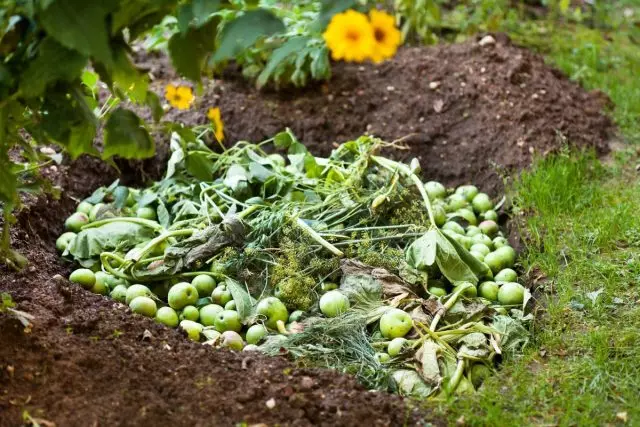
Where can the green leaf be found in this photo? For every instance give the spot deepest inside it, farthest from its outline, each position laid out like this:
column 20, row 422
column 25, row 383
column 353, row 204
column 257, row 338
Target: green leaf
column 120, row 195
column 80, row 25
column 330, row 8
column 290, row 47
column 54, row 62
column 284, row 139
column 245, row 31
column 450, row 263
column 199, row 165
column 92, row 242
column 127, row 77
column 244, row 302
column 81, row 140
column 153, row 102
column 164, row 218
column 8, row 180
column 189, row 50
column 421, row 254
column 259, row 173
column 480, row 269
column 196, row 13
column 564, row 5
column 126, row 136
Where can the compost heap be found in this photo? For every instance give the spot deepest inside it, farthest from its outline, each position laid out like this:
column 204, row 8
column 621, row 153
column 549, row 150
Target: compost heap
column 349, row 262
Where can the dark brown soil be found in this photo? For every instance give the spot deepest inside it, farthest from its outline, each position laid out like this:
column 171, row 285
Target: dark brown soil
column 494, row 108
column 89, row 361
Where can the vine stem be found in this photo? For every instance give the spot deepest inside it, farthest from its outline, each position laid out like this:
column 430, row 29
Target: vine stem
column 448, row 305
column 318, row 238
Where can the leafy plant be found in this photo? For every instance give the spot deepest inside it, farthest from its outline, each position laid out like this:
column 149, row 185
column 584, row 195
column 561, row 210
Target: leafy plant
column 48, row 98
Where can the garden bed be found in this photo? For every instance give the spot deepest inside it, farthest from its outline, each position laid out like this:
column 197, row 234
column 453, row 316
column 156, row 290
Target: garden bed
column 88, row 360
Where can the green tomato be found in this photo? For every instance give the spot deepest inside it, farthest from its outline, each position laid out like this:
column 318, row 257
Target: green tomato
column 76, row 221
column 193, row 329
column 494, row 261
column 131, row 197
column 256, row 333
column 508, row 254
column 482, row 203
column 221, row 295
column 435, row 190
column 273, row 309
column 382, row 357
column 482, row 238
column 490, row 215
column 167, row 316
column 100, row 288
column 231, row 305
column 328, row 286
column 469, row 292
column 501, row 310
column 453, row 226
column 63, row 241
column 334, row 303
column 456, row 202
column 506, row 275
column 437, row 291
column 134, row 291
column 232, row 340
column 439, row 215
column 104, row 279
column 465, row 241
column 85, row 208
column 511, row 294
column 190, row 312
column 468, row 191
column 119, row 293
column 146, row 212
column 468, row 216
column 395, row 323
column 489, row 290
column 296, row 316
column 499, row 242
column 143, row 305
column 228, row 320
column 205, row 285
column 181, row 295
column 95, row 210
column 396, row 346
column 83, row 277
column 472, row 230
column 489, row 227
column 208, row 314
column 477, row 255
column 480, row 247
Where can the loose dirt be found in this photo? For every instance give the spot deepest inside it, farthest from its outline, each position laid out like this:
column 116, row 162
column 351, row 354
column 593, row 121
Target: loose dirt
column 470, row 113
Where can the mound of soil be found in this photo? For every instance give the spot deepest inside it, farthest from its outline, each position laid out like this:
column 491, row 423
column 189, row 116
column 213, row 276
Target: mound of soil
column 471, row 113
column 468, row 111
column 89, row 361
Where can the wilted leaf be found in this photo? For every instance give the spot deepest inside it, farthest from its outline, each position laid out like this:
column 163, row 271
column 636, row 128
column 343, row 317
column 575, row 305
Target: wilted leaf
column 421, row 254
column 126, row 136
column 244, row 302
column 409, row 383
column 92, row 242
column 427, row 356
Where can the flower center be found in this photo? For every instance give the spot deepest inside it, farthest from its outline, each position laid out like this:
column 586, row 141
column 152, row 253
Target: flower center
column 379, row 34
column 353, row 36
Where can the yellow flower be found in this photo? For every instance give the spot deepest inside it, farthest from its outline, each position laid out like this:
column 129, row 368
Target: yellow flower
column 218, row 126
column 180, row 97
column 349, row 36
column 387, row 37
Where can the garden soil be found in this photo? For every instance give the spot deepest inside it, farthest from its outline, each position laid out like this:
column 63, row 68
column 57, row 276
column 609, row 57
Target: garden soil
column 470, row 113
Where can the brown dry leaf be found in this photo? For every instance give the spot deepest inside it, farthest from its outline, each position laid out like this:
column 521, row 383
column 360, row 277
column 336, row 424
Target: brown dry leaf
column 392, row 285
column 427, row 356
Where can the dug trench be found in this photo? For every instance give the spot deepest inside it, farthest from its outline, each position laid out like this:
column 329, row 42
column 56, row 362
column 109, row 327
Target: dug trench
column 470, row 113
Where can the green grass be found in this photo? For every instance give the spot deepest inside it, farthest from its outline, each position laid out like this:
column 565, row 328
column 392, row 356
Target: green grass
column 583, row 367
column 581, row 223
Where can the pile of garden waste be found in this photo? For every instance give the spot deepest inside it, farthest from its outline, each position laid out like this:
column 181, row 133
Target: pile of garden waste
column 350, row 262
